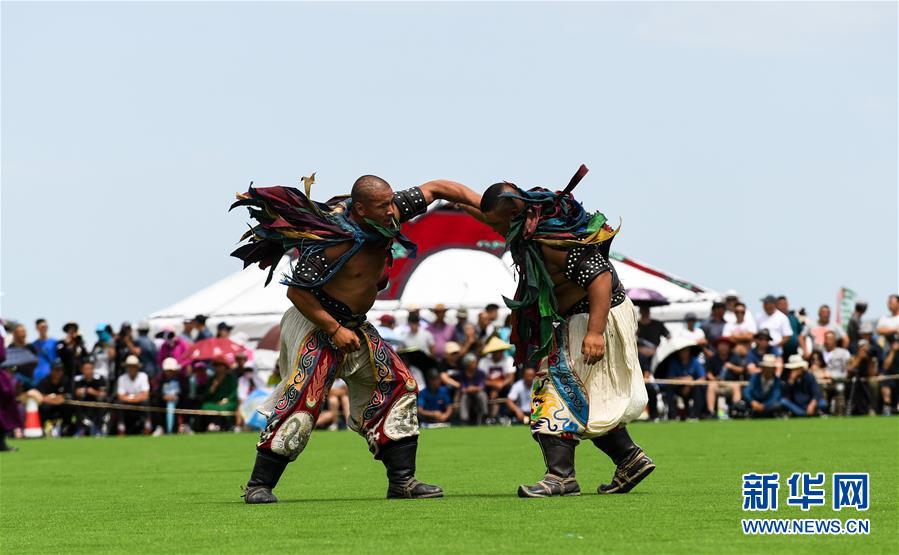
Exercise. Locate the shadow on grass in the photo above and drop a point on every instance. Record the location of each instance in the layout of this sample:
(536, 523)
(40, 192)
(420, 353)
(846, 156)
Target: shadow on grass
(512, 495)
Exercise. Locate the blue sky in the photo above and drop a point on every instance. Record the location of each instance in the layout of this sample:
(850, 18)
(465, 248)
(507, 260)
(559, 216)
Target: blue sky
(749, 146)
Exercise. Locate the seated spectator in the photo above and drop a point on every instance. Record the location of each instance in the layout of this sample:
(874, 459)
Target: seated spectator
(815, 332)
(71, 350)
(741, 329)
(731, 302)
(762, 394)
(855, 324)
(724, 365)
(866, 332)
(167, 390)
(200, 330)
(338, 400)
(89, 387)
(757, 353)
(776, 322)
(54, 390)
(435, 405)
(103, 354)
(459, 328)
(472, 394)
(714, 326)
(449, 367)
(248, 381)
(220, 394)
(791, 345)
(649, 335)
(685, 365)
(441, 331)
(223, 330)
(24, 376)
(132, 388)
(519, 399)
(889, 388)
(500, 370)
(800, 392)
(863, 390)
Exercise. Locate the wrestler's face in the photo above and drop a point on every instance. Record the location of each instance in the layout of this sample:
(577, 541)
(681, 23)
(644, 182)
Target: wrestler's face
(500, 218)
(379, 207)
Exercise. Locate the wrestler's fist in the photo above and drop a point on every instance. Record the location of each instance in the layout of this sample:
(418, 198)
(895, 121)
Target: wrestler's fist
(593, 348)
(346, 340)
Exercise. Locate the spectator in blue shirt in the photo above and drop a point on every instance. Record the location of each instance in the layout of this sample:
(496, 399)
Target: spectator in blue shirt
(685, 365)
(801, 394)
(762, 347)
(45, 347)
(763, 393)
(434, 402)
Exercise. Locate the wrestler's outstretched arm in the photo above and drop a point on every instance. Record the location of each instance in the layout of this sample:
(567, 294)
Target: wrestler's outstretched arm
(444, 189)
(600, 294)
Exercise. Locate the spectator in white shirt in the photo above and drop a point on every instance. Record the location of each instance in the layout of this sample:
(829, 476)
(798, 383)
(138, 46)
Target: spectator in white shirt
(816, 331)
(731, 300)
(132, 388)
(416, 337)
(776, 322)
(499, 368)
(888, 326)
(519, 399)
(740, 330)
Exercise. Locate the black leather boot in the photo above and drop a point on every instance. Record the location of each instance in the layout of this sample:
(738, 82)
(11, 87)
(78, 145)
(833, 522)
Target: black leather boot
(558, 454)
(399, 460)
(266, 473)
(632, 463)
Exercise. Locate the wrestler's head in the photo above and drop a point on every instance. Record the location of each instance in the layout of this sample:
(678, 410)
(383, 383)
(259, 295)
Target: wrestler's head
(499, 210)
(373, 200)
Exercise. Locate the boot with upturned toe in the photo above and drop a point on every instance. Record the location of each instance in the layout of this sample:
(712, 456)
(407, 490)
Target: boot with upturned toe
(266, 473)
(399, 460)
(558, 454)
(632, 464)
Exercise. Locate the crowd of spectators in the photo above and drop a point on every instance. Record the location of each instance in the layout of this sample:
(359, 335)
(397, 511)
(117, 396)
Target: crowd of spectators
(778, 362)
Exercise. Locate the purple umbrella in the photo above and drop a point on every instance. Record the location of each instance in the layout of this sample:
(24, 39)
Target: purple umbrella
(646, 297)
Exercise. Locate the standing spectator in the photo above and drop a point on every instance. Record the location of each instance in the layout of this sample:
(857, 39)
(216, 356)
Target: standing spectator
(816, 331)
(801, 394)
(70, 350)
(221, 393)
(685, 365)
(777, 324)
(148, 352)
(731, 300)
(449, 368)
(692, 332)
(499, 368)
(45, 347)
(24, 377)
(855, 323)
(187, 331)
(386, 325)
(837, 360)
(483, 328)
(649, 334)
(519, 399)
(172, 346)
(132, 388)
(89, 387)
(223, 331)
(124, 347)
(863, 391)
(10, 417)
(416, 337)
(791, 346)
(54, 390)
(741, 330)
(763, 393)
(888, 326)
(441, 331)
(714, 326)
(103, 353)
(200, 331)
(459, 328)
(435, 405)
(472, 396)
(866, 332)
(890, 387)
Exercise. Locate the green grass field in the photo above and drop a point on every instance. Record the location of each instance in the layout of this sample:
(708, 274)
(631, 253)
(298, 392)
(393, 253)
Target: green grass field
(181, 494)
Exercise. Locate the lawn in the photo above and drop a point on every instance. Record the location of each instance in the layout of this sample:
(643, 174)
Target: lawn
(181, 494)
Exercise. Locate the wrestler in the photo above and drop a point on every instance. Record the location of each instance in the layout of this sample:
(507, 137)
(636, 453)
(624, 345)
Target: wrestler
(345, 247)
(572, 321)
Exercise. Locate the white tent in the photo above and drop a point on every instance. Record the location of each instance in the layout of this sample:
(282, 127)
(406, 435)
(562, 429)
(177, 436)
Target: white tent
(455, 277)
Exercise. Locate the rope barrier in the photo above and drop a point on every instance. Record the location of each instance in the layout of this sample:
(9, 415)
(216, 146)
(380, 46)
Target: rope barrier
(143, 408)
(679, 381)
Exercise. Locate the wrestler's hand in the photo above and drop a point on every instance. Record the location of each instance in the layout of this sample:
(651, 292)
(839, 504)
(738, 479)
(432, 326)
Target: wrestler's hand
(346, 340)
(593, 348)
